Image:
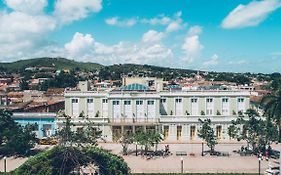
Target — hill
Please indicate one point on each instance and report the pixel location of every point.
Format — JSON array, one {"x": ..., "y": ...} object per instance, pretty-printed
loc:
[
  {"x": 58, "y": 63},
  {"x": 116, "y": 71}
]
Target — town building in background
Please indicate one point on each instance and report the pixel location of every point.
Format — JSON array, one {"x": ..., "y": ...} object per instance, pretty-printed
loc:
[{"x": 172, "y": 111}]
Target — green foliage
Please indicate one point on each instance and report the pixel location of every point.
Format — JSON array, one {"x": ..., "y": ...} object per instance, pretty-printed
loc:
[
  {"x": 60, "y": 160},
  {"x": 24, "y": 85},
  {"x": 218, "y": 112},
  {"x": 272, "y": 109},
  {"x": 85, "y": 136},
  {"x": 147, "y": 139},
  {"x": 108, "y": 163},
  {"x": 17, "y": 139},
  {"x": 97, "y": 114},
  {"x": 125, "y": 140},
  {"x": 255, "y": 130},
  {"x": 76, "y": 149},
  {"x": 62, "y": 80},
  {"x": 187, "y": 113},
  {"x": 206, "y": 132},
  {"x": 57, "y": 63},
  {"x": 202, "y": 113}
]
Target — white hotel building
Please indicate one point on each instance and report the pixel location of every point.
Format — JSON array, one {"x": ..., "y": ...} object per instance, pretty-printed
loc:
[{"x": 174, "y": 113}]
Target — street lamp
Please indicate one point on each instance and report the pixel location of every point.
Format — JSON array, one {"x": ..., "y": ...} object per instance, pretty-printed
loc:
[
  {"x": 5, "y": 164},
  {"x": 202, "y": 153},
  {"x": 182, "y": 165},
  {"x": 259, "y": 165},
  {"x": 280, "y": 162}
]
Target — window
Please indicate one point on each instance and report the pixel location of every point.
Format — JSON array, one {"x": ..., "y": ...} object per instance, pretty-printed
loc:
[
  {"x": 178, "y": 100},
  {"x": 218, "y": 132},
  {"x": 209, "y": 100},
  {"x": 163, "y": 100},
  {"x": 240, "y": 100},
  {"x": 115, "y": 102},
  {"x": 90, "y": 107},
  {"x": 225, "y": 100},
  {"x": 90, "y": 100},
  {"x": 225, "y": 106},
  {"x": 179, "y": 131},
  {"x": 194, "y": 106},
  {"x": 139, "y": 102},
  {"x": 74, "y": 100},
  {"x": 241, "y": 104},
  {"x": 193, "y": 100},
  {"x": 166, "y": 131},
  {"x": 209, "y": 106},
  {"x": 150, "y": 102},
  {"x": 104, "y": 100},
  {"x": 192, "y": 132},
  {"x": 127, "y": 102},
  {"x": 75, "y": 107},
  {"x": 178, "y": 106}
]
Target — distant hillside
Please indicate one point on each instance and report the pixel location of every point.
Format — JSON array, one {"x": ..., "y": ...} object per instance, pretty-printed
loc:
[
  {"x": 116, "y": 71},
  {"x": 58, "y": 63}
]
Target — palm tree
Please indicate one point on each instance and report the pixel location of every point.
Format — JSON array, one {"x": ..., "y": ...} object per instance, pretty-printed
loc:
[{"x": 272, "y": 109}]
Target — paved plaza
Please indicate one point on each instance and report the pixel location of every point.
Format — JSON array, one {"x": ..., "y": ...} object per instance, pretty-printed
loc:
[{"x": 194, "y": 164}]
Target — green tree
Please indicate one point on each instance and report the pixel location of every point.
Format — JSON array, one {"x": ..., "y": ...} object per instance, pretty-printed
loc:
[
  {"x": 257, "y": 131},
  {"x": 24, "y": 85},
  {"x": 15, "y": 139},
  {"x": 125, "y": 140},
  {"x": 147, "y": 139},
  {"x": 206, "y": 132},
  {"x": 272, "y": 109}
]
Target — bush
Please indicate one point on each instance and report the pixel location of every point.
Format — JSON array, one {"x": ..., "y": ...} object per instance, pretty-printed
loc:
[{"x": 51, "y": 162}]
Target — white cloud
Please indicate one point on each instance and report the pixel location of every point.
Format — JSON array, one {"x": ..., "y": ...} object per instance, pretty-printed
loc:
[
  {"x": 27, "y": 6},
  {"x": 152, "y": 36},
  {"x": 251, "y": 14},
  {"x": 22, "y": 33},
  {"x": 174, "y": 26},
  {"x": 115, "y": 21},
  {"x": 71, "y": 10},
  {"x": 195, "y": 30},
  {"x": 85, "y": 48},
  {"x": 211, "y": 62},
  {"x": 111, "y": 21},
  {"x": 79, "y": 44},
  {"x": 237, "y": 62},
  {"x": 159, "y": 20},
  {"x": 173, "y": 23},
  {"x": 192, "y": 46}
]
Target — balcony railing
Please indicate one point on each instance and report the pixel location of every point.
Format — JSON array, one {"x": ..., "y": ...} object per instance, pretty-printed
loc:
[
  {"x": 134, "y": 120},
  {"x": 82, "y": 120},
  {"x": 194, "y": 118}
]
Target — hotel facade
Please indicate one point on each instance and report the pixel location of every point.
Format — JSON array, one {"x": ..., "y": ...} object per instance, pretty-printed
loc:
[{"x": 173, "y": 113}]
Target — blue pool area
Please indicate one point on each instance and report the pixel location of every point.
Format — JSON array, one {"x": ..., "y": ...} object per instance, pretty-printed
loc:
[{"x": 45, "y": 121}]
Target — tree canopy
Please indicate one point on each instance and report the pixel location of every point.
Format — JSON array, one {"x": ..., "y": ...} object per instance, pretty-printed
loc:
[
  {"x": 15, "y": 139},
  {"x": 206, "y": 132}
]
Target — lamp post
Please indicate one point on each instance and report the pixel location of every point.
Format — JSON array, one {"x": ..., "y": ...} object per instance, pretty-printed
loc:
[
  {"x": 202, "y": 153},
  {"x": 5, "y": 164},
  {"x": 280, "y": 162},
  {"x": 259, "y": 165},
  {"x": 181, "y": 165}
]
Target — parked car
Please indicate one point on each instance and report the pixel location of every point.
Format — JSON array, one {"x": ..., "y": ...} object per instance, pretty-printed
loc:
[{"x": 48, "y": 141}]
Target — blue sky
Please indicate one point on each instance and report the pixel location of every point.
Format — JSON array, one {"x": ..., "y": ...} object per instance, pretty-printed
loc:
[{"x": 218, "y": 35}]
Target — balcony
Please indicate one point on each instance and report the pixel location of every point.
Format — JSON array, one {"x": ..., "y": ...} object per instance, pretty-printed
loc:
[
  {"x": 133, "y": 121},
  {"x": 95, "y": 120},
  {"x": 194, "y": 118}
]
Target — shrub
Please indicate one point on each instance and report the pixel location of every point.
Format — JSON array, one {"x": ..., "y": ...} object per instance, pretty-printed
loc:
[{"x": 51, "y": 162}]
